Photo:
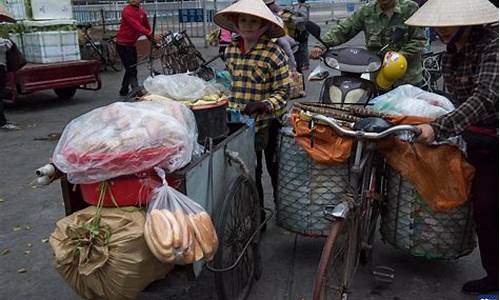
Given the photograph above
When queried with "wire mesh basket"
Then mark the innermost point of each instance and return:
(409, 224)
(305, 188)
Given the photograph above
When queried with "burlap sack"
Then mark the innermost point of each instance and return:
(115, 264)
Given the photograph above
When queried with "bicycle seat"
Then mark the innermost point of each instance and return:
(372, 124)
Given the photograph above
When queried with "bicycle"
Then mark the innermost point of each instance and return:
(432, 75)
(103, 51)
(354, 219)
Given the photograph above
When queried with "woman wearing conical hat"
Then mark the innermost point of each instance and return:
(470, 72)
(259, 72)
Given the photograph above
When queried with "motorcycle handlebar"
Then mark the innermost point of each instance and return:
(332, 122)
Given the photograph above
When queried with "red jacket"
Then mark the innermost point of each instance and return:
(134, 24)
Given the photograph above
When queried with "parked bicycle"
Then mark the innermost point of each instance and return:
(103, 51)
(354, 218)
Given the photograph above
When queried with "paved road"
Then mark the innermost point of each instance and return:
(28, 216)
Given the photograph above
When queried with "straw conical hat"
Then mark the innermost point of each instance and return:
(256, 8)
(5, 16)
(441, 13)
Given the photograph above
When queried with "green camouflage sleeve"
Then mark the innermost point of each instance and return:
(416, 40)
(345, 29)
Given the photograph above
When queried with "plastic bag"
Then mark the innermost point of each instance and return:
(412, 101)
(125, 138)
(178, 86)
(177, 229)
(319, 73)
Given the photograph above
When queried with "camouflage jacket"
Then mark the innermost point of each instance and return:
(378, 28)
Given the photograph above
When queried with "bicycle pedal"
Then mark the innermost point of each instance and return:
(383, 274)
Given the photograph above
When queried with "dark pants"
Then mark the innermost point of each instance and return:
(272, 163)
(302, 56)
(128, 56)
(482, 153)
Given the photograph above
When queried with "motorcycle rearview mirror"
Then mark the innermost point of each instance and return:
(315, 31)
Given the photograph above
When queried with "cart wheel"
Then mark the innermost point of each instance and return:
(236, 223)
(65, 93)
(339, 260)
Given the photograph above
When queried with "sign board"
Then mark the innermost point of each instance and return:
(189, 15)
(350, 7)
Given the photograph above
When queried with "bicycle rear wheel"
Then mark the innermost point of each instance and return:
(339, 260)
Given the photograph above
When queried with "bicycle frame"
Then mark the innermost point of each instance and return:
(361, 205)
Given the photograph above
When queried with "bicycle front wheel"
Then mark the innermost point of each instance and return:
(339, 260)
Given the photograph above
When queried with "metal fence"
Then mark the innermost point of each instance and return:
(194, 16)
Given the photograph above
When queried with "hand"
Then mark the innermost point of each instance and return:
(257, 107)
(427, 134)
(315, 52)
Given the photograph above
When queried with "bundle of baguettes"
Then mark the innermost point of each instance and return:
(180, 238)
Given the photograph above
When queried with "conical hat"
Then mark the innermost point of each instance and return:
(226, 17)
(442, 13)
(5, 16)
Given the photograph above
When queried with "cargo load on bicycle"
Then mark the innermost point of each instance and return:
(341, 165)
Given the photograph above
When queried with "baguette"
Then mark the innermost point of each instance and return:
(176, 230)
(204, 238)
(152, 243)
(162, 236)
(181, 219)
(188, 256)
(207, 229)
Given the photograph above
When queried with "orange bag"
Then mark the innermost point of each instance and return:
(440, 174)
(322, 144)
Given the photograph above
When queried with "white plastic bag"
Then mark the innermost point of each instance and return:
(177, 87)
(177, 229)
(412, 101)
(125, 138)
(319, 73)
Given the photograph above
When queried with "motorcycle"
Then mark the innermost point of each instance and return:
(357, 65)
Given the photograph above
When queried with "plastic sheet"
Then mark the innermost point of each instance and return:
(178, 230)
(126, 138)
(412, 101)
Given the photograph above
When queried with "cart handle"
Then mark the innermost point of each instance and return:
(333, 123)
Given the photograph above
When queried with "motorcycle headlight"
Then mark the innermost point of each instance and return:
(373, 66)
(331, 62)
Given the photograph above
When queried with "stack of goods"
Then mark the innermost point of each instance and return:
(102, 151)
(46, 31)
(122, 140)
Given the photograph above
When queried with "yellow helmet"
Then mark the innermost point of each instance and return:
(393, 68)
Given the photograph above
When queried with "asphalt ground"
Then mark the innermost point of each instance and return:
(28, 216)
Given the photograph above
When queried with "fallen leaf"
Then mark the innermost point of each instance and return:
(44, 240)
(27, 227)
(16, 228)
(2, 200)
(29, 245)
(27, 252)
(4, 252)
(33, 186)
(22, 270)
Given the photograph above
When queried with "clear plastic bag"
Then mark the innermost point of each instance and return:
(412, 101)
(177, 229)
(319, 73)
(125, 138)
(178, 87)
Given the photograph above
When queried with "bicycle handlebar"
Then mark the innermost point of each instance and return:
(332, 122)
